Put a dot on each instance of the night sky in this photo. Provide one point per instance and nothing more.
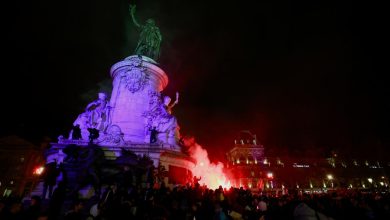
(305, 76)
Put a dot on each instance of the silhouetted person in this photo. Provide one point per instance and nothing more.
(76, 213)
(153, 135)
(93, 134)
(57, 200)
(76, 132)
(49, 179)
(34, 210)
(14, 211)
(196, 180)
(72, 153)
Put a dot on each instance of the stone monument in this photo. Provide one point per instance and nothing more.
(136, 116)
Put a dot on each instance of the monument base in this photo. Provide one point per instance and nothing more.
(176, 165)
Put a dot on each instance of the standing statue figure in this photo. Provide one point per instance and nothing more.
(167, 103)
(98, 112)
(96, 115)
(149, 39)
(165, 123)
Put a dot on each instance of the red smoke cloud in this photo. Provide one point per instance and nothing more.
(210, 174)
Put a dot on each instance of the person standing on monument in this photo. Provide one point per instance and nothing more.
(149, 39)
(93, 134)
(76, 132)
(49, 178)
(153, 135)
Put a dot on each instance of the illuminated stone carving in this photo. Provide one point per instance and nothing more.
(135, 78)
(96, 115)
(113, 137)
(159, 117)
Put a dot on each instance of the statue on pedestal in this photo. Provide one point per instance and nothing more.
(96, 116)
(168, 105)
(160, 119)
(98, 112)
(150, 38)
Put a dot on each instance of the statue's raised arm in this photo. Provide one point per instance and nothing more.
(149, 39)
(177, 98)
(132, 9)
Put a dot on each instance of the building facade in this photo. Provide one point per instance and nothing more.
(249, 167)
(19, 162)
(245, 162)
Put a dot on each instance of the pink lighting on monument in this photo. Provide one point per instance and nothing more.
(210, 174)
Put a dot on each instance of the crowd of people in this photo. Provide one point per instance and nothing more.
(197, 203)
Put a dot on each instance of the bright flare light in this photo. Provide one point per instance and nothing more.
(39, 170)
(211, 174)
(329, 176)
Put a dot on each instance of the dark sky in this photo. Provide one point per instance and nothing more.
(305, 76)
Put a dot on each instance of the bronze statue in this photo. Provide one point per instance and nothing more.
(149, 39)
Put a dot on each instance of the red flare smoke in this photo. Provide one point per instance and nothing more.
(210, 174)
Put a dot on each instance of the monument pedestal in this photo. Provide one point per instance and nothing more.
(137, 80)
